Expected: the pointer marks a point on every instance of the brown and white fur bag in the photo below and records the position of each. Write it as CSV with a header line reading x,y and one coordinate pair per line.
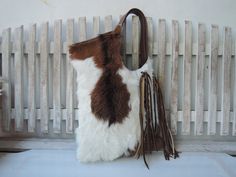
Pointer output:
x,y
109,97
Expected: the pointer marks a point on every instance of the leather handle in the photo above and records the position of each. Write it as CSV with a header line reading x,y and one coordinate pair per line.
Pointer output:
x,y
143,45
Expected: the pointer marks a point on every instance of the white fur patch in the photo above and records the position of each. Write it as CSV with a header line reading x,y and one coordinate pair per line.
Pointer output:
x,y
95,139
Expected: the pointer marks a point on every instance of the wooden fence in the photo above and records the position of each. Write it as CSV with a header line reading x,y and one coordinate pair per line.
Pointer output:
x,y
197,75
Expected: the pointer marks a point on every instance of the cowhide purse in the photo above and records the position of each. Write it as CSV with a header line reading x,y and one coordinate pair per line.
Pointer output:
x,y
120,111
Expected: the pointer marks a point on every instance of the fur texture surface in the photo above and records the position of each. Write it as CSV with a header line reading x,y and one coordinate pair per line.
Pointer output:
x,y
110,97
97,140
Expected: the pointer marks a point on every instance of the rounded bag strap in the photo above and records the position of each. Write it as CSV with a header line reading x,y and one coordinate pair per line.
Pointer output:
x,y
143,45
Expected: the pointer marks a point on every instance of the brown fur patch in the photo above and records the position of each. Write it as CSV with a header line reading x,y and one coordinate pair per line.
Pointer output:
x,y
109,42
110,97
83,50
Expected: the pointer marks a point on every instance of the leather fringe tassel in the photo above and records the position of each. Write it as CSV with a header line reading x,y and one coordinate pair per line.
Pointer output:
x,y
155,133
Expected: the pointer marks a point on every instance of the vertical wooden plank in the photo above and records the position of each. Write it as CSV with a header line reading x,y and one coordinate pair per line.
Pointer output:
x,y
174,77
200,77
226,83
162,53
187,77
96,26
44,109
19,114
135,42
150,36
57,76
123,45
234,94
82,37
82,29
108,23
213,79
31,79
70,92
6,74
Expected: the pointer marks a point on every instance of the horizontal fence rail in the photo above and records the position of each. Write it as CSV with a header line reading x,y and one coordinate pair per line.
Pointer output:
x,y
197,76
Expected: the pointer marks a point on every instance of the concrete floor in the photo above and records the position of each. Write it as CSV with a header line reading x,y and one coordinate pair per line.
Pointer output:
x,y
62,163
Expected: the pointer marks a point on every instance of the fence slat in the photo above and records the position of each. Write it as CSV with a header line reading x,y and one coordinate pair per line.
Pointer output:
x,y
70,92
108,23
19,79
174,77
213,79
226,85
200,77
135,42
57,76
82,29
82,37
96,26
44,114
150,36
161,54
31,79
187,77
6,74
167,53
234,97
123,44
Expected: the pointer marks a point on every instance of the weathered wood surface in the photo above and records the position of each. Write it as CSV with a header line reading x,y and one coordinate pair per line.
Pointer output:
x,y
161,53
70,91
40,99
187,77
227,42
44,106
135,41
6,74
200,79
31,79
19,61
213,79
57,76
174,77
